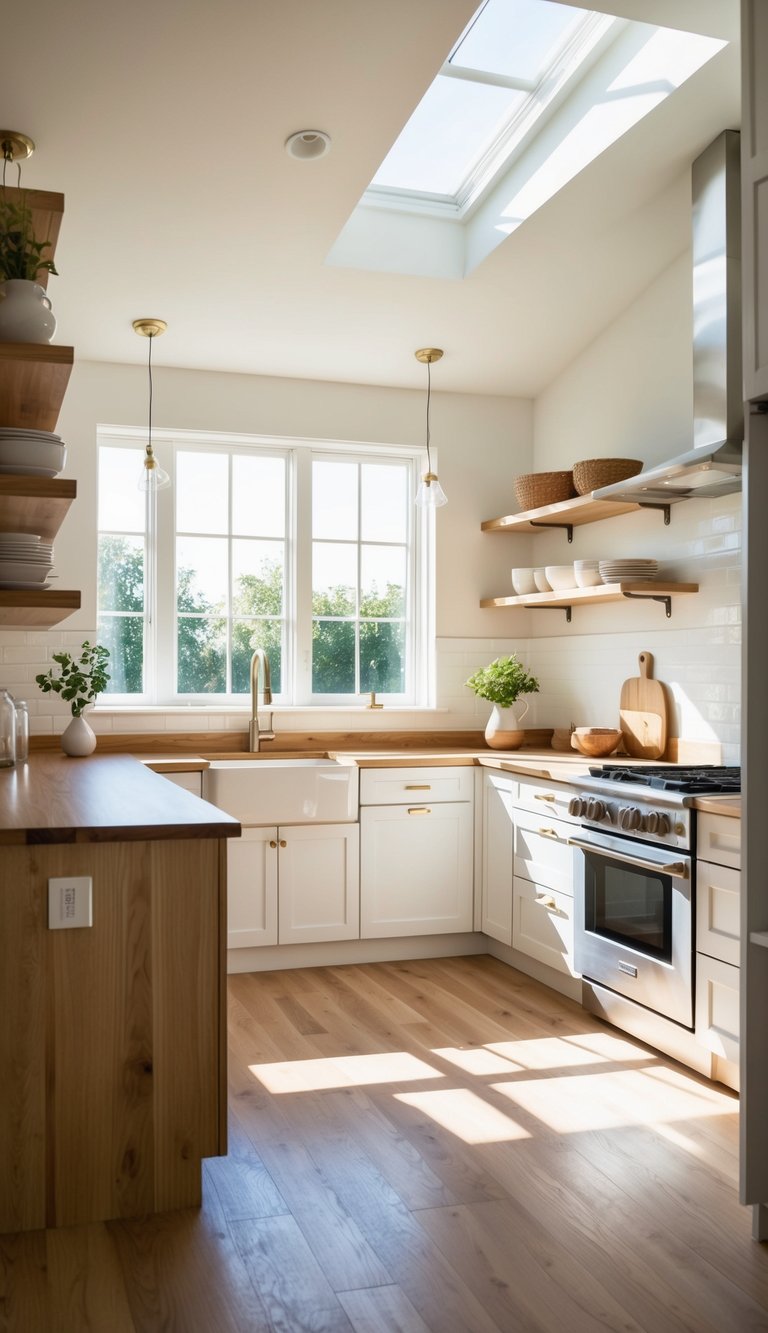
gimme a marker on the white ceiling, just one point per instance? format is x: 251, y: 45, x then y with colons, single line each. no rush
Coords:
x: 163, y: 122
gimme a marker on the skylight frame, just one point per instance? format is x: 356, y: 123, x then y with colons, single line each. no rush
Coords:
x: 574, y: 58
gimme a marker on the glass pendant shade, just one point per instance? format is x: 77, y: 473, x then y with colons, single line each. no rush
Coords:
x: 430, y: 494
x: 153, y: 476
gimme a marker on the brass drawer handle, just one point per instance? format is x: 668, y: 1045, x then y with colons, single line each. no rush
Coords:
x: 283, y: 843
x: 548, y: 833
x: 548, y: 796
x: 272, y: 842
x: 418, y: 786
x: 546, y: 900
x: 419, y: 810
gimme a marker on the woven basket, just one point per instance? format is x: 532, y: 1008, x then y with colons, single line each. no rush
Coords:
x: 543, y: 488
x: 592, y: 473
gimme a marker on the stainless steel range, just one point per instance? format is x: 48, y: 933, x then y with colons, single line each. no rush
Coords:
x: 635, y: 882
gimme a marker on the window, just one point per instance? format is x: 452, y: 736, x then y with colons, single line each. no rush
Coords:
x: 317, y: 556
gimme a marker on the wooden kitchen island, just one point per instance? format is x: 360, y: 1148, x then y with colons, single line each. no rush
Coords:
x: 113, y: 1036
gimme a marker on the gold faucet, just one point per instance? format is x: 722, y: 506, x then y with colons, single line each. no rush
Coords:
x: 256, y: 733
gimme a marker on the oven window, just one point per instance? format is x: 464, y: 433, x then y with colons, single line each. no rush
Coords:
x: 633, y: 907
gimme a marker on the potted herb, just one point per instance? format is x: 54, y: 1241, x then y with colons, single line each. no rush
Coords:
x: 79, y: 680
x: 502, y: 683
x: 25, y: 310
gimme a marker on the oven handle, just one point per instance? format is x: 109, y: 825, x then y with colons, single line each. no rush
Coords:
x: 677, y: 869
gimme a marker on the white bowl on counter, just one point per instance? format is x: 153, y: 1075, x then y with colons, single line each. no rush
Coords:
x: 523, y: 582
x: 560, y: 577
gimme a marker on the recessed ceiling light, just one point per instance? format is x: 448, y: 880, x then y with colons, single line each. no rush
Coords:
x: 308, y: 144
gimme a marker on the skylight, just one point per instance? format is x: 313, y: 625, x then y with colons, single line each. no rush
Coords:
x: 514, y: 57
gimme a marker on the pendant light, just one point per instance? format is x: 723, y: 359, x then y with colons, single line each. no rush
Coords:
x: 430, y: 494
x: 153, y: 477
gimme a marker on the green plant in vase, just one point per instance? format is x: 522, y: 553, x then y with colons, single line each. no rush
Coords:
x: 79, y: 681
x: 502, y: 683
x: 25, y: 310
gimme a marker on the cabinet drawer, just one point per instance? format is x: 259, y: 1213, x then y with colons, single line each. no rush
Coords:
x: 718, y: 911
x: 542, y: 925
x: 547, y: 798
x: 717, y: 1007
x: 718, y: 839
x: 542, y: 853
x: 401, y: 786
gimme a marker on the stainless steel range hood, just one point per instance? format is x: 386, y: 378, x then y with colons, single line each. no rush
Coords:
x: 713, y: 466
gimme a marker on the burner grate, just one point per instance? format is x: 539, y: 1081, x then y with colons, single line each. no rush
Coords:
x: 699, y: 780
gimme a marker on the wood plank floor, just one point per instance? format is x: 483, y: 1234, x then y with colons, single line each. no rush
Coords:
x: 440, y: 1146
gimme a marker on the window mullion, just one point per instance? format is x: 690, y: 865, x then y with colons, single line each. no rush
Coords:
x: 301, y: 541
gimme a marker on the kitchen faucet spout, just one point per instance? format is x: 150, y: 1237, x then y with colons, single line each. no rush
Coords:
x: 256, y: 733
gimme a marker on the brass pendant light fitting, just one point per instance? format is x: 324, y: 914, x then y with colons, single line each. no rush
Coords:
x: 430, y: 494
x: 15, y: 146
x: 153, y: 476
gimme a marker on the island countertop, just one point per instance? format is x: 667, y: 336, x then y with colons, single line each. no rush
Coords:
x: 102, y: 798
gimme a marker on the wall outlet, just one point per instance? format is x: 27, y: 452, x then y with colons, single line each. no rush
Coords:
x: 70, y: 902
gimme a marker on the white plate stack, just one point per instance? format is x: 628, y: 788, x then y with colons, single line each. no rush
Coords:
x: 26, y: 561
x: 628, y: 571
x: 31, y: 453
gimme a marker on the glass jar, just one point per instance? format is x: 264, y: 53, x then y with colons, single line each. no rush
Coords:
x: 7, y: 730
x: 22, y: 731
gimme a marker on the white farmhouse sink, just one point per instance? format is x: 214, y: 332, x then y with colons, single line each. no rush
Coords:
x: 283, y: 791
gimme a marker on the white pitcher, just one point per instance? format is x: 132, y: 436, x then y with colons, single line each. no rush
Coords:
x: 503, y: 730
x: 25, y: 312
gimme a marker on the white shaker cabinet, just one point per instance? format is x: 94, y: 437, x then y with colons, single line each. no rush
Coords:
x: 416, y: 851
x: 718, y: 941
x: 499, y: 797
x: 293, y: 885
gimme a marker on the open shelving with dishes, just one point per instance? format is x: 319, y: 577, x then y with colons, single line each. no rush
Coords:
x: 658, y: 591
x: 37, y: 505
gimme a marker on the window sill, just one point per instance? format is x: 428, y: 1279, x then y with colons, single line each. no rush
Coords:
x: 315, y: 710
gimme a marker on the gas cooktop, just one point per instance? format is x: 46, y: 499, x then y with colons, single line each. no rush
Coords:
x: 700, y: 780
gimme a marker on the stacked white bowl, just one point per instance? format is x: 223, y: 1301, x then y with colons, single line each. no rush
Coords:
x: 523, y: 582
x: 26, y: 560
x: 587, y: 573
x: 31, y: 453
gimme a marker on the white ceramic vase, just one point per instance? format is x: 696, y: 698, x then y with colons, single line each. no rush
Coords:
x: 25, y: 312
x: 78, y: 738
x: 503, y: 730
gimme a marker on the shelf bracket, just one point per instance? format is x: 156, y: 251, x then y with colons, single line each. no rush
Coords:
x: 653, y: 597
x: 650, y: 504
x: 535, y: 523
x: 568, y: 610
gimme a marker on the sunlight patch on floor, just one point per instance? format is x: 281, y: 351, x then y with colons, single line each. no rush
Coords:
x: 343, y: 1071
x: 578, y: 1103
x: 545, y: 1053
x: 477, y: 1060
x: 466, y: 1115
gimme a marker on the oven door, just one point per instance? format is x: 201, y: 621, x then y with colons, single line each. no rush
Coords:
x: 633, y: 922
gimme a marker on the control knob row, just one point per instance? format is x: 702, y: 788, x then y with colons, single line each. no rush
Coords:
x: 587, y: 807
x: 631, y: 818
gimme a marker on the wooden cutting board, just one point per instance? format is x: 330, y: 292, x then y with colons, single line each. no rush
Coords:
x: 643, y: 713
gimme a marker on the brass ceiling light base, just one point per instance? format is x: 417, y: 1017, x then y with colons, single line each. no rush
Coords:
x: 428, y: 354
x: 149, y: 328
x: 16, y: 147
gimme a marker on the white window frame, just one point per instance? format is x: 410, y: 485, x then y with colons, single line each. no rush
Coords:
x: 160, y: 635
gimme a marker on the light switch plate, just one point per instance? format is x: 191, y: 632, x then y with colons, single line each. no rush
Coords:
x: 70, y: 902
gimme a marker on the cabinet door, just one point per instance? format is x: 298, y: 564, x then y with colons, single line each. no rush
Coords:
x: 498, y: 854
x: 718, y: 912
x: 252, y: 888
x: 416, y: 869
x: 542, y: 925
x: 717, y: 1007
x: 319, y: 884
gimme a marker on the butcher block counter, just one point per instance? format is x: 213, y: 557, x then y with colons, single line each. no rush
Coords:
x: 112, y: 1035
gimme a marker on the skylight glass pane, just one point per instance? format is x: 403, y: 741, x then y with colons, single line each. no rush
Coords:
x: 517, y: 38
x: 449, y: 130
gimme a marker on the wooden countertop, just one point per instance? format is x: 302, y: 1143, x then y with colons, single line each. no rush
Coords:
x: 104, y: 798
x: 719, y: 805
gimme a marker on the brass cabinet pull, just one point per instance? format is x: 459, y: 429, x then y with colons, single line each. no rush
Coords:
x: 547, y: 796
x: 283, y: 843
x: 417, y: 786
x: 546, y: 900
x: 548, y: 832
x: 419, y: 810
x: 272, y: 842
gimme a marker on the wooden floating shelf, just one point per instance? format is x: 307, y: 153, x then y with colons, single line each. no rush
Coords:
x: 606, y: 592
x: 33, y: 381
x: 21, y: 608
x: 567, y: 513
x: 35, y: 504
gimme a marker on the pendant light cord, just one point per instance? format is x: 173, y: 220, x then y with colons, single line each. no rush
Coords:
x: 429, y: 395
x: 149, y: 368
